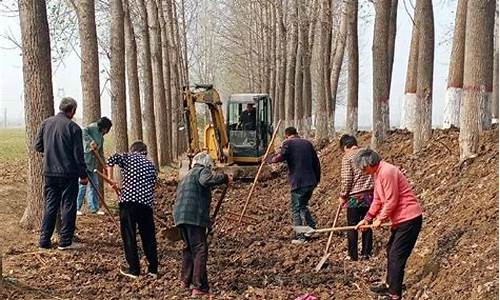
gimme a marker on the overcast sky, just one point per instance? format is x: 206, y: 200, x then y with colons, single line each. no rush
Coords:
x: 66, y: 80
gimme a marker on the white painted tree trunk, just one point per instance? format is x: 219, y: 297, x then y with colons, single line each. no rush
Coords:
x: 408, y: 110
x: 486, y: 120
x: 452, y: 101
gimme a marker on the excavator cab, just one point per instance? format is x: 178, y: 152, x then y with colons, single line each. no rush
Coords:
x: 249, y: 126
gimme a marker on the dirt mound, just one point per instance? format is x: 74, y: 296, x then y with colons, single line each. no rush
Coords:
x: 456, y: 256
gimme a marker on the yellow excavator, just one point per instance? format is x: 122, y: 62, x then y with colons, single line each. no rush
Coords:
x: 236, y: 143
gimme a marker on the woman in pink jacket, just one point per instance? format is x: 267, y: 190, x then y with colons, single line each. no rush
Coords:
x: 393, y: 201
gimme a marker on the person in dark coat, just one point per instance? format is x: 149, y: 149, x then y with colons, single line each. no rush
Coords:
x: 304, y: 174
x: 248, y: 118
x: 191, y: 216
x: 60, y: 141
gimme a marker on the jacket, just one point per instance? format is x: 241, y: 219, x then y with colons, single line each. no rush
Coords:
x: 393, y: 198
x: 353, y: 180
x: 91, y: 134
x: 194, y: 194
x: 60, y: 141
x: 304, y: 169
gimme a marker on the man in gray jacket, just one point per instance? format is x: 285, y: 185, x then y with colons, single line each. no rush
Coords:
x: 191, y: 216
x: 60, y: 141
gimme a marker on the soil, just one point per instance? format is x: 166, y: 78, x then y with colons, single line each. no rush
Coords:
x: 456, y: 256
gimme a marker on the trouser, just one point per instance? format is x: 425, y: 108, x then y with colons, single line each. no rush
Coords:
x: 399, y: 247
x: 354, y: 216
x: 60, y: 193
x: 135, y: 216
x: 300, y: 212
x: 194, y: 256
x: 92, y: 194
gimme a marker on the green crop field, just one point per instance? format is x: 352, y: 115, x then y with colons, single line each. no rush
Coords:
x: 12, y: 144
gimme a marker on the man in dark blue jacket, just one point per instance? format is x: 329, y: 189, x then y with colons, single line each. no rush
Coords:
x: 304, y: 173
x: 60, y: 141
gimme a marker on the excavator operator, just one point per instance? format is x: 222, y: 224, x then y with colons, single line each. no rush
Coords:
x: 248, y: 118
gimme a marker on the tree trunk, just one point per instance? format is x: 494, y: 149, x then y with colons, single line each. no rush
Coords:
x: 149, y: 107
x: 321, y: 110
x: 158, y: 88
x: 307, y: 93
x: 380, y: 67
x: 166, y: 79
x: 174, y: 71
x: 409, y: 101
x: 182, y: 78
x: 132, y: 77
x: 489, y: 57
x: 292, y: 60
x: 353, y: 61
x: 425, y: 22
x: 494, y: 101
x: 38, y: 98
x: 338, y: 55
x: 302, y: 22
x: 327, y: 72
x: 307, y: 84
x: 184, y: 35
x: 391, y: 40
x: 456, y: 69
x: 85, y: 11
x: 282, y: 69
x: 117, y: 61
x: 476, y: 85
x: 274, y: 63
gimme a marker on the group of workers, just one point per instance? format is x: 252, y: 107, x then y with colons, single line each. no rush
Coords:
x: 372, y: 191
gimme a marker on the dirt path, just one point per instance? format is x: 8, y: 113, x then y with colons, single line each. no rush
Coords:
x: 456, y: 256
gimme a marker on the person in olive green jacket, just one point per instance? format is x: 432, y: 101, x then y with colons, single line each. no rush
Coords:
x: 93, y: 139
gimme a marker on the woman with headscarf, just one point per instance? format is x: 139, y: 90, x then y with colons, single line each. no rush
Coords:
x: 191, y: 216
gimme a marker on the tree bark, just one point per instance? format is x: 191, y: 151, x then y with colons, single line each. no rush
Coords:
x: 158, y: 88
x: 274, y: 62
x: 494, y: 100
x: 489, y: 52
x: 149, y: 107
x: 175, y: 83
x: 353, y: 61
x: 322, y: 111
x: 309, y: 40
x: 380, y: 67
x: 283, y: 64
x: 303, y: 24
x: 456, y: 69
x: 85, y: 11
x: 425, y: 22
x: 132, y: 77
x: 117, y: 61
x: 391, y: 41
x: 338, y: 55
x: 476, y: 84
x: 292, y: 60
x: 409, y: 102
x: 38, y: 98
x: 166, y: 79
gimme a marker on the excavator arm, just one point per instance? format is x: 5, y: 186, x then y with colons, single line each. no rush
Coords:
x: 215, y: 139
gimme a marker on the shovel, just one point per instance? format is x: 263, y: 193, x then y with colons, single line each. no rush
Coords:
x: 309, y: 231
x: 327, y: 254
